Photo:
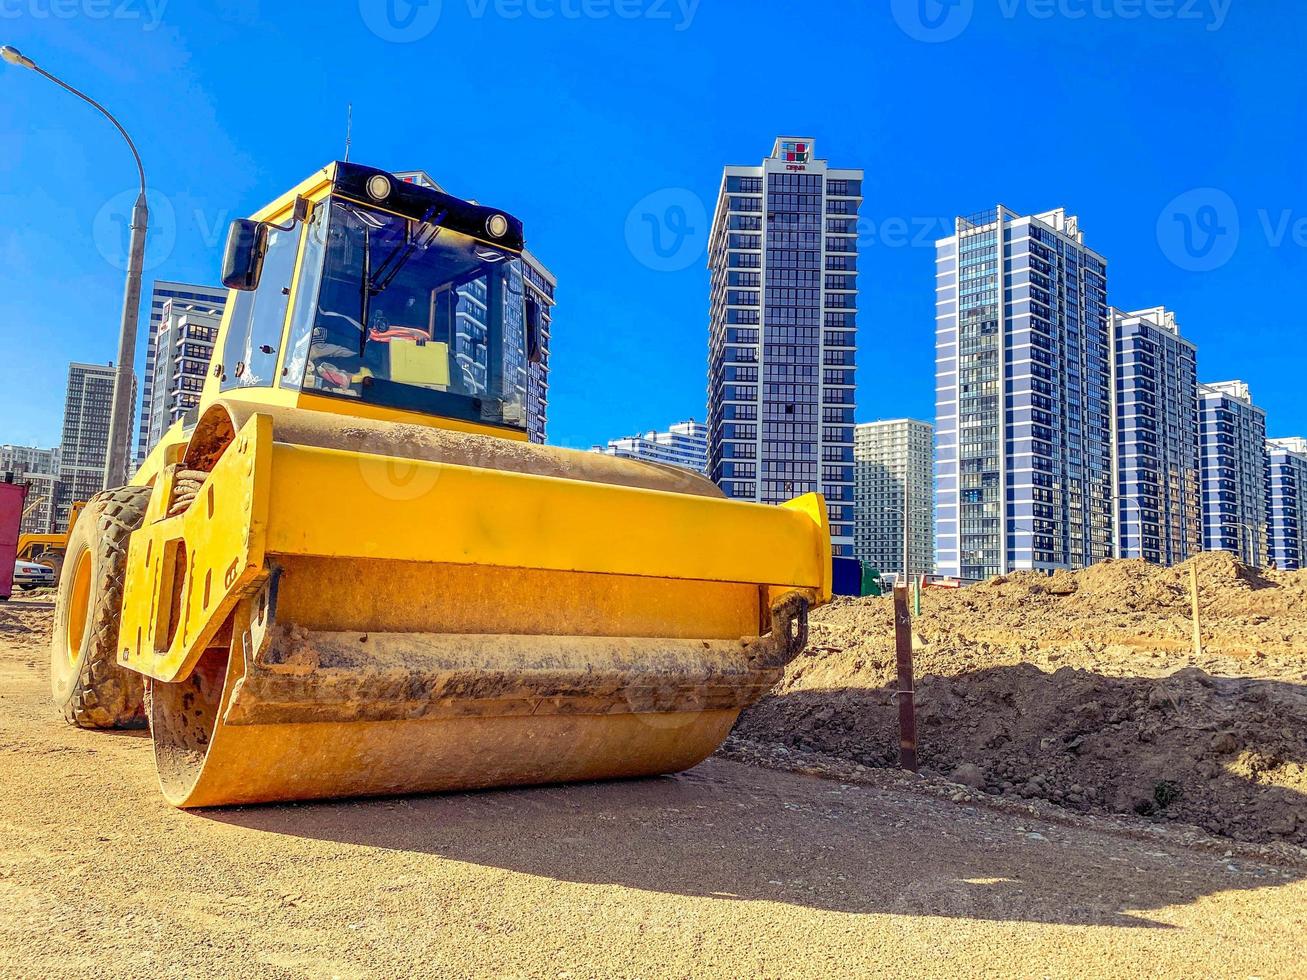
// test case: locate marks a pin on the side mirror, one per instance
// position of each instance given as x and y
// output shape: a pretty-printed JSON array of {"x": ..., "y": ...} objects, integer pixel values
[
  {"x": 533, "y": 325},
  {"x": 242, "y": 265}
]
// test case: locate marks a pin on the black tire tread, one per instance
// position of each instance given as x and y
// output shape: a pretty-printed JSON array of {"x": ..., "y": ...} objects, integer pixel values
[{"x": 106, "y": 695}]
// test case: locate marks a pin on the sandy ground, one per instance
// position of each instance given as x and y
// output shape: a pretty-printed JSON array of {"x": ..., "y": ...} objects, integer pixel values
[{"x": 727, "y": 870}]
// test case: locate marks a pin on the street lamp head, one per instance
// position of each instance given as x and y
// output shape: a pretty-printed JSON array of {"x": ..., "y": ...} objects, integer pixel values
[{"x": 16, "y": 57}]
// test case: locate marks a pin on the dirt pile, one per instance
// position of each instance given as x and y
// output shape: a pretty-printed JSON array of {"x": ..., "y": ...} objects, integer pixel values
[{"x": 1081, "y": 689}]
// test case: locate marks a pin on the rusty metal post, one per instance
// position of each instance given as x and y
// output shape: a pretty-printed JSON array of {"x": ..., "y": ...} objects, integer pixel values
[
  {"x": 1193, "y": 593},
  {"x": 906, "y": 693}
]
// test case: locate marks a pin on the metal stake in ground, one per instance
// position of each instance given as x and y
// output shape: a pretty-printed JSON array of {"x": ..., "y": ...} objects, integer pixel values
[{"x": 906, "y": 693}]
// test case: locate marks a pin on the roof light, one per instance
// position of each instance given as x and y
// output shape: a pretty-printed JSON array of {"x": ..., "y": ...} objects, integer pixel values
[
  {"x": 378, "y": 187},
  {"x": 497, "y": 225}
]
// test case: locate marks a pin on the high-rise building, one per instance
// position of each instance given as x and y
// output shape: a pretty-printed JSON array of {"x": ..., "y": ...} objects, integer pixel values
[
  {"x": 40, "y": 510},
  {"x": 783, "y": 253},
  {"x": 540, "y": 285},
  {"x": 154, "y": 395},
  {"x": 892, "y": 478},
  {"x": 28, "y": 459},
  {"x": 1232, "y": 437},
  {"x": 1287, "y": 503},
  {"x": 85, "y": 444},
  {"x": 1155, "y": 423},
  {"x": 187, "y": 331},
  {"x": 1023, "y": 475},
  {"x": 39, "y": 469},
  {"x": 683, "y": 444}
]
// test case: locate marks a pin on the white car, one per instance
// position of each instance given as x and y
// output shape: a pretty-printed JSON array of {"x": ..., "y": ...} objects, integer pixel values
[{"x": 29, "y": 575}]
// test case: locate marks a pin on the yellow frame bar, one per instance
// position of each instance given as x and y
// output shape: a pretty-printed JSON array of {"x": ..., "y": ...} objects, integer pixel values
[
  {"x": 169, "y": 620},
  {"x": 334, "y": 503}
]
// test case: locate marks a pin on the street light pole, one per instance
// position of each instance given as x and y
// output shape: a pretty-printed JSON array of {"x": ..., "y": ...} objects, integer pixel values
[
  {"x": 120, "y": 419},
  {"x": 906, "y": 514},
  {"x": 1253, "y": 544}
]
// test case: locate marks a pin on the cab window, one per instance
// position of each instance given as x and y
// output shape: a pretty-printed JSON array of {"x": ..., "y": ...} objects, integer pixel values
[{"x": 249, "y": 357}]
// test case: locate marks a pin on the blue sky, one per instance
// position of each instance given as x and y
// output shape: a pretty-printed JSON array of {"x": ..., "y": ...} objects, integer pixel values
[{"x": 1173, "y": 128}]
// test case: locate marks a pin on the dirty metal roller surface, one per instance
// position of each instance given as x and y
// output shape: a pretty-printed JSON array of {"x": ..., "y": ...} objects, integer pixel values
[{"x": 308, "y": 714}]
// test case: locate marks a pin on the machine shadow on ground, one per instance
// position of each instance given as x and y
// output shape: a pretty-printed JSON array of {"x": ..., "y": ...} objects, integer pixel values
[{"x": 725, "y": 831}]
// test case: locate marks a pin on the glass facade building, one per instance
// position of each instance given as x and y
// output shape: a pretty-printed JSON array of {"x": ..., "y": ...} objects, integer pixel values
[
  {"x": 1287, "y": 502},
  {"x": 540, "y": 283},
  {"x": 155, "y": 389},
  {"x": 187, "y": 332},
  {"x": 684, "y": 444},
  {"x": 1155, "y": 425},
  {"x": 1023, "y": 476},
  {"x": 85, "y": 443},
  {"x": 892, "y": 477},
  {"x": 1232, "y": 437},
  {"x": 783, "y": 256}
]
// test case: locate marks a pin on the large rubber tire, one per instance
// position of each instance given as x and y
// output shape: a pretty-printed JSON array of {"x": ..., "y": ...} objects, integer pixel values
[{"x": 86, "y": 682}]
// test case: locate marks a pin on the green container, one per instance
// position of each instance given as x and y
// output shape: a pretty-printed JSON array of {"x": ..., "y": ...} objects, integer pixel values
[{"x": 871, "y": 580}]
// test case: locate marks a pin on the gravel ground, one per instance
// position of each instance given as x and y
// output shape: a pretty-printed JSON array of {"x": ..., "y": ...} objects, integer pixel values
[{"x": 728, "y": 870}]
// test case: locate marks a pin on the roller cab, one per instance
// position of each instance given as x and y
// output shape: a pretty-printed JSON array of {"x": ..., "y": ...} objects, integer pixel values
[{"x": 353, "y": 574}]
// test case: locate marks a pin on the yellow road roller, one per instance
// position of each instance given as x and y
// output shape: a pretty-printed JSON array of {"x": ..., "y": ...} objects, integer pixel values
[{"x": 349, "y": 572}]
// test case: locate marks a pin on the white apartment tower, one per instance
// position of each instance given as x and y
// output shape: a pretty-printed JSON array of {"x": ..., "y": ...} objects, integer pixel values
[
  {"x": 1235, "y": 471},
  {"x": 892, "y": 474},
  {"x": 1023, "y": 399},
  {"x": 1155, "y": 431},
  {"x": 85, "y": 444},
  {"x": 684, "y": 444},
  {"x": 1287, "y": 502},
  {"x": 155, "y": 390},
  {"x": 187, "y": 331}
]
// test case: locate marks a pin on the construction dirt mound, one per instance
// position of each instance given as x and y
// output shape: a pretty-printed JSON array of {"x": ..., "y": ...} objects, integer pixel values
[{"x": 1082, "y": 689}]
